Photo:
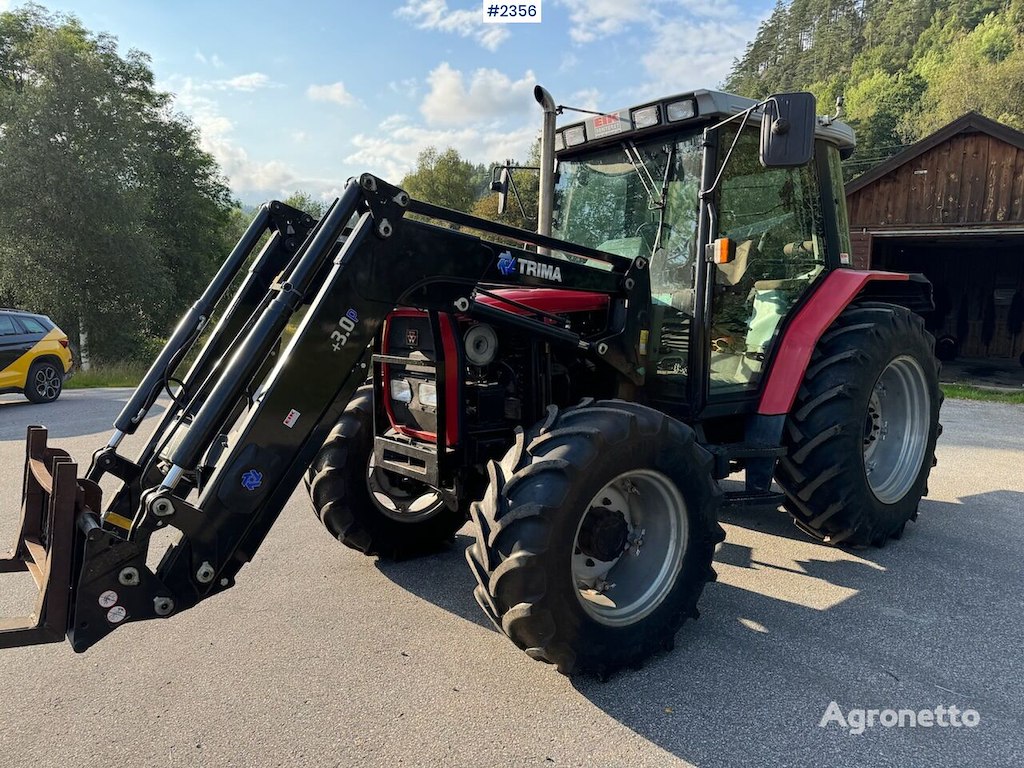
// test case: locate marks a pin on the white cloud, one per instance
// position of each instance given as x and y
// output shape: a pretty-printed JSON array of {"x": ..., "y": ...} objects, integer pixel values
[
  {"x": 594, "y": 19},
  {"x": 216, "y": 137},
  {"x": 588, "y": 98},
  {"x": 392, "y": 122},
  {"x": 688, "y": 43},
  {"x": 680, "y": 59},
  {"x": 250, "y": 82},
  {"x": 334, "y": 92},
  {"x": 214, "y": 60},
  {"x": 409, "y": 88},
  {"x": 391, "y": 150},
  {"x": 253, "y": 81},
  {"x": 435, "y": 15},
  {"x": 490, "y": 95}
]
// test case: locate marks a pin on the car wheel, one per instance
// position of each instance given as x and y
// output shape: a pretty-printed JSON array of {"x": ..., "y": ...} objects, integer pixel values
[{"x": 45, "y": 382}]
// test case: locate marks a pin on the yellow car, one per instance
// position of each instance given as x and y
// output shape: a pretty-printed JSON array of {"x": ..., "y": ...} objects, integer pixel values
[{"x": 34, "y": 356}]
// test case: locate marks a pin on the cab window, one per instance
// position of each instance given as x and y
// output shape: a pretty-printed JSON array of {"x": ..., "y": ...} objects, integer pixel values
[
  {"x": 774, "y": 218},
  {"x": 641, "y": 200}
]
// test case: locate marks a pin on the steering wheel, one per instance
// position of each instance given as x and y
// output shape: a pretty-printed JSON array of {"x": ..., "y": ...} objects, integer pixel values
[{"x": 648, "y": 231}]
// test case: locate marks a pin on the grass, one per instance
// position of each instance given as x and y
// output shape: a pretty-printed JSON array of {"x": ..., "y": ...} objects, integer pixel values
[
  {"x": 108, "y": 375},
  {"x": 130, "y": 374},
  {"x": 967, "y": 392}
]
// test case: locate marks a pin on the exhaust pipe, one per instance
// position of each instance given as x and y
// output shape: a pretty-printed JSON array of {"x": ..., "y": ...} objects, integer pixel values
[{"x": 547, "y": 165}]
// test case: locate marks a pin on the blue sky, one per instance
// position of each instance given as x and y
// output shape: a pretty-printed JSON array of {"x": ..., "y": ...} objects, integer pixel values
[{"x": 303, "y": 95}]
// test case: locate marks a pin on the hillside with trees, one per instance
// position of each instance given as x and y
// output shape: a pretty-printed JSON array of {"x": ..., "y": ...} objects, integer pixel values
[{"x": 905, "y": 67}]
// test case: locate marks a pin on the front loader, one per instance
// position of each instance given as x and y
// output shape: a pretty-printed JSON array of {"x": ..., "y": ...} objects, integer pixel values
[{"x": 578, "y": 397}]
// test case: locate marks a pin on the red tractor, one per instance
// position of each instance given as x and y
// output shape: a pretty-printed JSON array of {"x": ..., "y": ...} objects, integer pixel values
[{"x": 686, "y": 311}]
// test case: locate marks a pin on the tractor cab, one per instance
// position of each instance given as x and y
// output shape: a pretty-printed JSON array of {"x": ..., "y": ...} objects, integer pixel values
[{"x": 670, "y": 180}]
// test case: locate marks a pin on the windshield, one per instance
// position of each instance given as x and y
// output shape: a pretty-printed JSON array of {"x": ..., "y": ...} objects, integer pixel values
[{"x": 631, "y": 198}]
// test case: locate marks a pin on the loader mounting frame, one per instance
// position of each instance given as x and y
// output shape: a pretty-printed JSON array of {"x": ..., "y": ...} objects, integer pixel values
[{"x": 247, "y": 419}]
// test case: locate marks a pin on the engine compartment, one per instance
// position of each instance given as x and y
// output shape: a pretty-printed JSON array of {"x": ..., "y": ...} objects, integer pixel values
[{"x": 483, "y": 379}]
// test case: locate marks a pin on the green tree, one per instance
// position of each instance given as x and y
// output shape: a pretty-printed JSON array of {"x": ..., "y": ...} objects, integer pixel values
[
  {"x": 113, "y": 217},
  {"x": 982, "y": 70},
  {"x": 906, "y": 67},
  {"x": 445, "y": 179},
  {"x": 527, "y": 182},
  {"x": 188, "y": 214},
  {"x": 306, "y": 202}
]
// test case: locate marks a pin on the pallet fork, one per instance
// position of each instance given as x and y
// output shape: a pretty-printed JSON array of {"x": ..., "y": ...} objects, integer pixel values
[{"x": 53, "y": 500}]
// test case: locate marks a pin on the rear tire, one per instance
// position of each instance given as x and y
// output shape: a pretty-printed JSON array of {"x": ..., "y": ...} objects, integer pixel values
[
  {"x": 861, "y": 434},
  {"x": 565, "y": 487},
  {"x": 370, "y": 510},
  {"x": 45, "y": 382}
]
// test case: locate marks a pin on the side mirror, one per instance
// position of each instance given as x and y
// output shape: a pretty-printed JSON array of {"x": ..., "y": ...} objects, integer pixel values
[
  {"x": 500, "y": 185},
  {"x": 787, "y": 130}
]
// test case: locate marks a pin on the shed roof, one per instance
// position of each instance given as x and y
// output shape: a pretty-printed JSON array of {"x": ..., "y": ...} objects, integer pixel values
[{"x": 972, "y": 122}]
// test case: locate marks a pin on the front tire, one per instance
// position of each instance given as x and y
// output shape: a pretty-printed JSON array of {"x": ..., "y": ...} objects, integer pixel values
[
  {"x": 368, "y": 509},
  {"x": 861, "y": 434},
  {"x": 566, "y": 512},
  {"x": 45, "y": 382}
]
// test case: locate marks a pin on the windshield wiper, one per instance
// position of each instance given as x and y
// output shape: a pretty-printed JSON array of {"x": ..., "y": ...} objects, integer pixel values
[
  {"x": 663, "y": 203},
  {"x": 637, "y": 161},
  {"x": 657, "y": 201}
]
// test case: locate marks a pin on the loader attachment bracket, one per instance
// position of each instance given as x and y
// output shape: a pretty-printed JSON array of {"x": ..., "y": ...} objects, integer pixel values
[
  {"x": 114, "y": 587},
  {"x": 52, "y": 499},
  {"x": 88, "y": 580}
]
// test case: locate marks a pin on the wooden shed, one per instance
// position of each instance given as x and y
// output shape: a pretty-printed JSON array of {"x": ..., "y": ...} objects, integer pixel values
[{"x": 952, "y": 206}]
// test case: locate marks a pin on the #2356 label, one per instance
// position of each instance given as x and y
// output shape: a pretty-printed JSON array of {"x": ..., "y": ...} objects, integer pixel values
[{"x": 512, "y": 13}]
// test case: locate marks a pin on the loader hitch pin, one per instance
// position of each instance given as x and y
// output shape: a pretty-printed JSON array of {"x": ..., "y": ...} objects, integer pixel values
[
  {"x": 205, "y": 573},
  {"x": 162, "y": 506},
  {"x": 163, "y": 606}
]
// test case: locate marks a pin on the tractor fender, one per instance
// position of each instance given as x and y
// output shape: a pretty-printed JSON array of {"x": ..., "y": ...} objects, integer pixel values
[{"x": 833, "y": 294}]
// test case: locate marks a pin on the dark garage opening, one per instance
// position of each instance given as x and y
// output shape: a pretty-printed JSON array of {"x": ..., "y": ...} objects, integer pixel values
[{"x": 979, "y": 288}]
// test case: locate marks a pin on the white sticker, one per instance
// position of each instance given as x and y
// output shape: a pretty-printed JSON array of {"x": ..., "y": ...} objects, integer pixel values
[
  {"x": 108, "y": 598},
  {"x": 292, "y": 417},
  {"x": 116, "y": 614}
]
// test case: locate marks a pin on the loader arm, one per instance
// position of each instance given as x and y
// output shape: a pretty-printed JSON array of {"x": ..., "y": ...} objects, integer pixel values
[{"x": 245, "y": 423}]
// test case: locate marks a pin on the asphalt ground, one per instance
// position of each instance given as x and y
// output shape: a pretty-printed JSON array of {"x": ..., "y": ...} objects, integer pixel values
[{"x": 323, "y": 657}]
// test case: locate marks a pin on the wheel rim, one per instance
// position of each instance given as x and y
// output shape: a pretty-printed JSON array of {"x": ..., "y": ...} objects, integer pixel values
[
  {"x": 47, "y": 382},
  {"x": 896, "y": 429},
  {"x": 401, "y": 498},
  {"x": 631, "y": 584}
]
